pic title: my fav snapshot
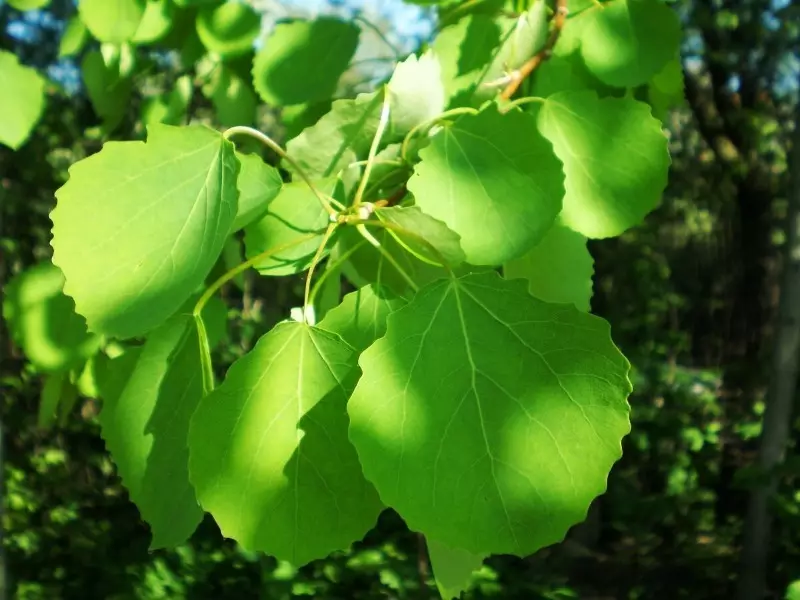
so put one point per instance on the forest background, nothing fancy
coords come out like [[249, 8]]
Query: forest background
[[692, 295]]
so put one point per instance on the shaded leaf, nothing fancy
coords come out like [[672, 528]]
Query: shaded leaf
[[452, 568], [259, 184], [229, 29], [269, 454], [445, 242]]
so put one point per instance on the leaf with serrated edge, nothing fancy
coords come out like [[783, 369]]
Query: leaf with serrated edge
[[294, 212], [259, 184], [488, 419], [411, 218], [43, 321], [615, 159], [452, 568], [626, 42], [360, 318], [269, 454], [160, 214], [21, 110], [494, 180], [302, 61], [558, 269]]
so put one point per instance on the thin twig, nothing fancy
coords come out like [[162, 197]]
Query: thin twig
[[521, 74]]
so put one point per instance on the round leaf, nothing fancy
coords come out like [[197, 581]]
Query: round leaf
[[28, 4], [302, 61], [160, 214], [488, 419], [494, 180], [626, 42], [259, 184], [114, 21], [268, 449], [156, 22], [615, 159], [228, 29]]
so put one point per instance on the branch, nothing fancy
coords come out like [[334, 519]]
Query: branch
[[519, 75]]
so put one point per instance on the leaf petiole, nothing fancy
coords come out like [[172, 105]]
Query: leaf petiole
[[205, 349], [332, 267], [373, 150], [325, 238], [360, 226]]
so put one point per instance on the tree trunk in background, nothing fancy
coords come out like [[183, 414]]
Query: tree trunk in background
[[780, 397]]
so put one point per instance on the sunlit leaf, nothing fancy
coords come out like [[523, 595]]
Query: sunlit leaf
[[160, 211], [114, 21], [229, 29], [259, 184], [269, 454], [452, 568], [20, 110], [156, 22]]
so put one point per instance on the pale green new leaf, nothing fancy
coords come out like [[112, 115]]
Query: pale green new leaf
[[488, 419], [494, 180], [148, 401], [43, 322], [452, 568], [229, 29], [259, 184], [360, 318], [20, 110], [114, 21], [445, 242], [160, 213], [615, 159], [626, 42], [269, 454], [294, 212], [558, 269], [302, 61]]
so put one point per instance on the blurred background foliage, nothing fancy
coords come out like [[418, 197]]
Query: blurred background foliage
[[691, 295]]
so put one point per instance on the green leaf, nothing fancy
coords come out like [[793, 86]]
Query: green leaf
[[259, 184], [452, 568], [156, 22], [145, 424], [360, 319], [269, 454], [229, 29], [295, 211], [74, 38], [109, 93], [302, 61], [43, 322], [160, 211], [626, 42], [339, 138], [411, 218], [233, 99], [416, 93], [558, 269], [494, 180], [615, 159], [28, 4], [367, 265], [113, 21], [666, 89], [169, 108], [488, 419], [20, 111], [297, 117]]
